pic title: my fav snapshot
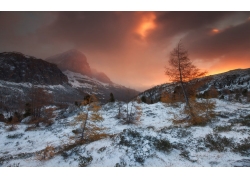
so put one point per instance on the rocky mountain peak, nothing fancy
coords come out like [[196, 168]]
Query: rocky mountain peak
[[72, 60], [75, 61]]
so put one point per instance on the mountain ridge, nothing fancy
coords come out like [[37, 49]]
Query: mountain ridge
[[17, 67], [233, 81]]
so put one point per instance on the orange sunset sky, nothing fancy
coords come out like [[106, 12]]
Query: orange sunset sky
[[132, 48]]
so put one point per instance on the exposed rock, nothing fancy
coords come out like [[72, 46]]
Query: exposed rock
[[17, 67]]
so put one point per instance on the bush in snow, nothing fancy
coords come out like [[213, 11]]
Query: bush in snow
[[243, 147], [122, 163], [15, 136], [163, 145], [201, 111], [2, 119], [246, 121], [46, 153], [217, 142], [139, 147], [171, 99], [133, 113], [222, 128], [84, 161]]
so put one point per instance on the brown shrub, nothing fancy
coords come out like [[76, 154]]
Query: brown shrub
[[200, 112], [46, 153]]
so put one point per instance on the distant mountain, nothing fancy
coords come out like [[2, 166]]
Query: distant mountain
[[232, 82], [90, 85], [17, 67], [72, 60], [19, 73], [75, 61], [84, 78]]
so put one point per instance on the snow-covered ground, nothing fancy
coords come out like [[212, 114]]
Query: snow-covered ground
[[154, 141]]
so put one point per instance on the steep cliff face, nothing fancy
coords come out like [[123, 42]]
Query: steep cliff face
[[18, 68], [72, 60]]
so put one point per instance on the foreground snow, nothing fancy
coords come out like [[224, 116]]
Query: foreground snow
[[143, 144]]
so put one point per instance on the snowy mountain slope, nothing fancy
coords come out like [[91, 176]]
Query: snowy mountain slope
[[13, 93], [18, 72], [78, 80], [154, 141], [234, 81], [81, 76], [90, 85]]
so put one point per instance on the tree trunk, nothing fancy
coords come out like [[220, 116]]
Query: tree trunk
[[182, 85], [84, 126], [185, 95]]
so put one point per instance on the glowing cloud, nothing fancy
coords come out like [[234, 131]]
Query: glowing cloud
[[147, 23], [215, 31]]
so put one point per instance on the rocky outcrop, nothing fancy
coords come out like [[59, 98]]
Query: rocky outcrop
[[17, 67]]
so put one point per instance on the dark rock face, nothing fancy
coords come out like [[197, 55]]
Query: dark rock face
[[16, 67], [72, 60]]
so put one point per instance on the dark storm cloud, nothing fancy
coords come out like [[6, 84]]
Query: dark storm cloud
[[19, 31], [172, 23], [126, 45], [91, 30], [233, 41]]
